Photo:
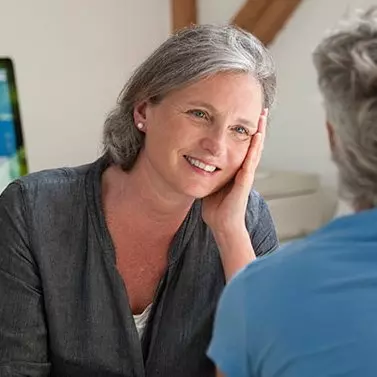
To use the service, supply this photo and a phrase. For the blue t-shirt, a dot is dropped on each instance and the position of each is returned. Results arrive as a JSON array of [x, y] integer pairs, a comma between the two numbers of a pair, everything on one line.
[[309, 310]]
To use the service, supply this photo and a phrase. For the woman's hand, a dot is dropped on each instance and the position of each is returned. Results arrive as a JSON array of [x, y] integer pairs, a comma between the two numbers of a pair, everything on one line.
[[224, 211]]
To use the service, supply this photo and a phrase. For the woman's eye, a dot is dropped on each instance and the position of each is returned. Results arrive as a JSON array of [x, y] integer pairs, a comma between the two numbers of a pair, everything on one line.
[[241, 130], [198, 113]]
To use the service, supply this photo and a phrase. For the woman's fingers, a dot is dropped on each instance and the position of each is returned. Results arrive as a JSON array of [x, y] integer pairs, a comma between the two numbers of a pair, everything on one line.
[[262, 131], [245, 176], [256, 145]]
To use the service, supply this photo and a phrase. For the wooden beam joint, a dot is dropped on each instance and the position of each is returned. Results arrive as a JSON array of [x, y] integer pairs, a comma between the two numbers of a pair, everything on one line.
[[265, 18]]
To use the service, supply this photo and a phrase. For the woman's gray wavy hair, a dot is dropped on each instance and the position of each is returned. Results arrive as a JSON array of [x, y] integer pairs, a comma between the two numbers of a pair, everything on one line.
[[346, 62], [186, 57]]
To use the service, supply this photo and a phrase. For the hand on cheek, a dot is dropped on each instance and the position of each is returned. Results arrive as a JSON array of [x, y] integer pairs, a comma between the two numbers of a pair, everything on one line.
[[224, 210]]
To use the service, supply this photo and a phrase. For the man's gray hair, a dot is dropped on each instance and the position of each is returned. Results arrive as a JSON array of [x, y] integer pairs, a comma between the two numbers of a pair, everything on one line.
[[346, 62], [186, 57]]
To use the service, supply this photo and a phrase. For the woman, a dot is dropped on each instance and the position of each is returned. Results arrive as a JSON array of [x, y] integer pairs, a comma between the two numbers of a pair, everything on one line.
[[115, 268], [310, 310]]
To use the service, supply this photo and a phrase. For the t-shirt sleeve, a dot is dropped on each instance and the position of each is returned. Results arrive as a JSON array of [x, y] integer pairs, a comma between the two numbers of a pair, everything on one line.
[[228, 348], [260, 225]]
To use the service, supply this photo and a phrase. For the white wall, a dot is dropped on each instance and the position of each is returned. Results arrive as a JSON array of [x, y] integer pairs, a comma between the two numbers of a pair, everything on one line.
[[72, 58], [297, 139], [217, 11]]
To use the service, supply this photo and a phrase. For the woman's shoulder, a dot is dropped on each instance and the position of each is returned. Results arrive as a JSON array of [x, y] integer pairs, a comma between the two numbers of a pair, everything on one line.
[[256, 208], [50, 178], [260, 225], [60, 188], [255, 201]]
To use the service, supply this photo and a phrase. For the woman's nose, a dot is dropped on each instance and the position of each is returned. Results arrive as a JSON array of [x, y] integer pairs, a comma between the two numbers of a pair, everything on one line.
[[214, 141]]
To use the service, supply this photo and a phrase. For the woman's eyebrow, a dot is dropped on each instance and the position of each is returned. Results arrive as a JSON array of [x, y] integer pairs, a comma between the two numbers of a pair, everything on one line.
[[207, 105], [203, 104], [247, 123]]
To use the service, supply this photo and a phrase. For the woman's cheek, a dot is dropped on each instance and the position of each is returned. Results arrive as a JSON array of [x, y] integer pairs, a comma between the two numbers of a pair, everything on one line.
[[239, 158]]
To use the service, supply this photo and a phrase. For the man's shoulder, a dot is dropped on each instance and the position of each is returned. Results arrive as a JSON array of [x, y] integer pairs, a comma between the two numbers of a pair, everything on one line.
[[284, 262], [275, 277]]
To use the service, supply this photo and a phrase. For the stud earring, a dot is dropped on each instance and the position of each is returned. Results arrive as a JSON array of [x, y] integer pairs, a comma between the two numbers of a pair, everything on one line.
[[140, 126]]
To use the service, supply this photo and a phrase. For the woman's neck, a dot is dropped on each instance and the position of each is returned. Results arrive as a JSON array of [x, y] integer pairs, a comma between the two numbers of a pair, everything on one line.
[[138, 196]]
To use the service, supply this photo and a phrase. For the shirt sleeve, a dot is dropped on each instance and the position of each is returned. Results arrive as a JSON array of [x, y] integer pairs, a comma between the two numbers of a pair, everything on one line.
[[229, 348], [260, 225], [23, 334]]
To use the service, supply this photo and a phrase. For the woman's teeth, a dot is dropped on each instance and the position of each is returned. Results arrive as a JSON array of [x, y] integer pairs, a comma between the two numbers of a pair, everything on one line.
[[201, 165]]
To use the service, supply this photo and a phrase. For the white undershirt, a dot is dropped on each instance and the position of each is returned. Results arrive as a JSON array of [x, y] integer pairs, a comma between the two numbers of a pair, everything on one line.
[[141, 320]]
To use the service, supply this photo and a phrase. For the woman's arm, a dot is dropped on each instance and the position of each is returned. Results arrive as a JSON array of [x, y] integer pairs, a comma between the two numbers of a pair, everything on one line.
[[23, 334], [236, 251], [242, 245]]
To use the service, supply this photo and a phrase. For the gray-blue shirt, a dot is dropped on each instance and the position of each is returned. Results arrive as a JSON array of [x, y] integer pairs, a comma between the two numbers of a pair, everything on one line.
[[63, 305]]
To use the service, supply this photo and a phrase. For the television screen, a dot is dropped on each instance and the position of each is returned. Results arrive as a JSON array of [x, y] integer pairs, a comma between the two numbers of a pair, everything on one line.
[[12, 152]]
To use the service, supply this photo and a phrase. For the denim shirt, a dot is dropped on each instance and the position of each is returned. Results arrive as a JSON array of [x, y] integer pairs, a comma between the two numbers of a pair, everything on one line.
[[63, 304]]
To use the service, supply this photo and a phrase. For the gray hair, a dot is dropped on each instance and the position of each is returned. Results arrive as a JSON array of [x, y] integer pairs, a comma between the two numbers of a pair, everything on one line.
[[346, 62], [186, 57]]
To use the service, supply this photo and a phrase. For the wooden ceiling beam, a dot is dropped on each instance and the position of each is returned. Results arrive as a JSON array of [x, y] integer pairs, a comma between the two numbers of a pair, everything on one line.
[[250, 12], [273, 19], [265, 18], [184, 13]]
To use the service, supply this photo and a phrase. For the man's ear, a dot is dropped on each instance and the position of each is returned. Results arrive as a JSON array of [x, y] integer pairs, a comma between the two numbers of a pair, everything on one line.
[[331, 136], [140, 117]]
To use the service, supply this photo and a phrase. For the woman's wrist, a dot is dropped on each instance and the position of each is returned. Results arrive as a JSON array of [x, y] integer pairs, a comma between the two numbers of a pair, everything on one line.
[[236, 250], [229, 234], [228, 229]]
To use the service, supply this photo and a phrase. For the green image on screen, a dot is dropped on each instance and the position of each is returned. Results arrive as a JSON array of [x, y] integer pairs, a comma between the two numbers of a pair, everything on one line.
[[12, 151]]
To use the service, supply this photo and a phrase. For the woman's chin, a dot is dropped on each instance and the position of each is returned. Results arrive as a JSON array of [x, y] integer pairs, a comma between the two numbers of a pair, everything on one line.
[[199, 192]]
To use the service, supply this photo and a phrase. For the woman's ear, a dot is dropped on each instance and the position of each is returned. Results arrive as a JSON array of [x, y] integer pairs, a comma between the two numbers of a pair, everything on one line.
[[140, 118]]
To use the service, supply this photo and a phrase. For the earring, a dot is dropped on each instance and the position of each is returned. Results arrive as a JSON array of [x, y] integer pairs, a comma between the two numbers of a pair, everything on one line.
[[140, 126]]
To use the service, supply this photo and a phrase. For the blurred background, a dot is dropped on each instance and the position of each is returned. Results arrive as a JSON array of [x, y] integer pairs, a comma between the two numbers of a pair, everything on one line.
[[70, 59]]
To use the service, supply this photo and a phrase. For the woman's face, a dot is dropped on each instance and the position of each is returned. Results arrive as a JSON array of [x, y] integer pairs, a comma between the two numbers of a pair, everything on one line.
[[197, 137]]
